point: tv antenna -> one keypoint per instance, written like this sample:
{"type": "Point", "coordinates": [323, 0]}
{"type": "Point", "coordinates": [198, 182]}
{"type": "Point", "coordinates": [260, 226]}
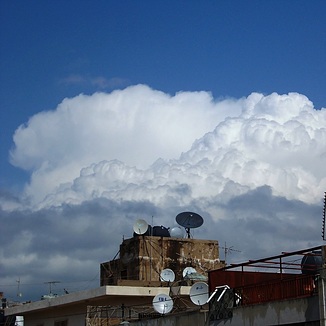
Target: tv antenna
{"type": "Point", "coordinates": [324, 218]}
{"type": "Point", "coordinates": [189, 220]}
{"type": "Point", "coordinates": [228, 250]}
{"type": "Point", "coordinates": [19, 294]}
{"type": "Point", "coordinates": [50, 285]}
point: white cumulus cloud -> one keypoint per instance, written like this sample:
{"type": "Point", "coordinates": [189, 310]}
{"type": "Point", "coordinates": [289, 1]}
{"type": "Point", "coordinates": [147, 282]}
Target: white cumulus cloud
{"type": "Point", "coordinates": [258, 147]}
{"type": "Point", "coordinates": [136, 125]}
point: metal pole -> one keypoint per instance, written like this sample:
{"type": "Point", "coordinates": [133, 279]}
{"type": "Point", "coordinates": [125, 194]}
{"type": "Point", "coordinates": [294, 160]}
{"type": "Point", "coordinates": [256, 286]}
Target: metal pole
{"type": "Point", "coordinates": [322, 290]}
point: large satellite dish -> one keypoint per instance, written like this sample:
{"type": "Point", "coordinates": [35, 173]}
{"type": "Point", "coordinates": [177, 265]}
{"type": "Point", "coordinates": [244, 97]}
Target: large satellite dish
{"type": "Point", "coordinates": [199, 293]}
{"type": "Point", "coordinates": [140, 226]}
{"type": "Point", "coordinates": [189, 220]}
{"type": "Point", "coordinates": [167, 275]}
{"type": "Point", "coordinates": [162, 303]}
{"type": "Point", "coordinates": [187, 271]}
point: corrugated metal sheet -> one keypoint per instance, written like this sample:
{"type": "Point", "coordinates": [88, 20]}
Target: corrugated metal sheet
{"type": "Point", "coordinates": [258, 287]}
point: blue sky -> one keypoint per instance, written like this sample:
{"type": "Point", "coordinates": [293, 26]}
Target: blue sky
{"type": "Point", "coordinates": [230, 48]}
{"type": "Point", "coordinates": [117, 110]}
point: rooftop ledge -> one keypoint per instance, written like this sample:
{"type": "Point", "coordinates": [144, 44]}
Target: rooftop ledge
{"type": "Point", "coordinates": [94, 294]}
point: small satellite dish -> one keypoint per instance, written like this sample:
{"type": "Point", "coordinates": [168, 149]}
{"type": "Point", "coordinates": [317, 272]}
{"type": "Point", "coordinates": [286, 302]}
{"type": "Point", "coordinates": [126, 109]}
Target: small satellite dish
{"type": "Point", "coordinates": [176, 232]}
{"type": "Point", "coordinates": [167, 275]}
{"type": "Point", "coordinates": [199, 293]}
{"type": "Point", "coordinates": [162, 303]}
{"type": "Point", "coordinates": [189, 221]}
{"type": "Point", "coordinates": [140, 226]}
{"type": "Point", "coordinates": [187, 271]}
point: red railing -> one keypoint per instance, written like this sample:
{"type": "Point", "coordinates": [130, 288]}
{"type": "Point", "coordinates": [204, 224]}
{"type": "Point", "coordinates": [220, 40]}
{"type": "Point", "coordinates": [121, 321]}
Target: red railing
{"type": "Point", "coordinates": [297, 286]}
{"type": "Point", "coordinates": [290, 275]}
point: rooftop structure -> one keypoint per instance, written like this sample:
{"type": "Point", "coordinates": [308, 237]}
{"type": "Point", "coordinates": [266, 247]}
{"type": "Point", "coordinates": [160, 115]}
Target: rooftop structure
{"type": "Point", "coordinates": [142, 258]}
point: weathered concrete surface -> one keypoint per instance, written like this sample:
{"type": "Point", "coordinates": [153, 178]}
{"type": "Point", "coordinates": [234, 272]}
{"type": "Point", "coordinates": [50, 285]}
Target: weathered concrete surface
{"type": "Point", "coordinates": [303, 311]}
{"type": "Point", "coordinates": [143, 258]}
{"type": "Point", "coordinates": [73, 307]}
{"type": "Point", "coordinates": [287, 312]}
{"type": "Point", "coordinates": [193, 318]}
{"type": "Point", "coordinates": [284, 312]}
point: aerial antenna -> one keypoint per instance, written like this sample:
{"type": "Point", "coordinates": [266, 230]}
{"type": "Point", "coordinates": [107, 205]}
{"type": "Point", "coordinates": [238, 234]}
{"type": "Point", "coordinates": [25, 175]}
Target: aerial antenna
{"type": "Point", "coordinates": [189, 220]}
{"type": "Point", "coordinates": [228, 250]}
{"type": "Point", "coordinates": [324, 218]}
{"type": "Point", "coordinates": [19, 294]}
{"type": "Point", "coordinates": [50, 285]}
{"type": "Point", "coordinates": [150, 254]}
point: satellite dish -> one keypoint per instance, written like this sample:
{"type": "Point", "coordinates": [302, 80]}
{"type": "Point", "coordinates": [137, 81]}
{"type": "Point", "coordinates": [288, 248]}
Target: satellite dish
{"type": "Point", "coordinates": [176, 232]}
{"type": "Point", "coordinates": [187, 271]}
{"type": "Point", "coordinates": [167, 275]}
{"type": "Point", "coordinates": [189, 221]}
{"type": "Point", "coordinates": [160, 231]}
{"type": "Point", "coordinates": [140, 226]}
{"type": "Point", "coordinates": [162, 303]}
{"type": "Point", "coordinates": [199, 293]}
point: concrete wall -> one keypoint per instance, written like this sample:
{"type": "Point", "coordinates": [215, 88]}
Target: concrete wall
{"type": "Point", "coordinates": [287, 312]}
{"type": "Point", "coordinates": [77, 319]}
{"type": "Point", "coordinates": [194, 318]}
{"type": "Point", "coordinates": [284, 312]}
{"type": "Point", "coordinates": [73, 307]}
{"type": "Point", "coordinates": [48, 318]}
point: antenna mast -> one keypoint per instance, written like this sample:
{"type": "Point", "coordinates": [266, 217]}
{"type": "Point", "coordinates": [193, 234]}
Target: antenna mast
{"type": "Point", "coordinates": [19, 294]}
{"type": "Point", "coordinates": [324, 218]}
{"type": "Point", "coordinates": [228, 250]}
{"type": "Point", "coordinates": [50, 285]}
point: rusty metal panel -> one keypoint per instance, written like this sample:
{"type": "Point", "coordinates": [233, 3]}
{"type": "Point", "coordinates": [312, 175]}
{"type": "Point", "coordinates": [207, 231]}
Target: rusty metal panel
{"type": "Point", "coordinates": [241, 278]}
{"type": "Point", "coordinates": [258, 287]}
{"type": "Point", "coordinates": [296, 287]}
